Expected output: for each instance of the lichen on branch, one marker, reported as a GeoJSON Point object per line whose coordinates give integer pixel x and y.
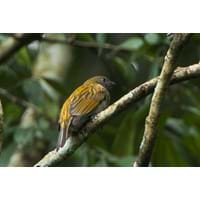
{"type": "Point", "coordinates": [53, 158]}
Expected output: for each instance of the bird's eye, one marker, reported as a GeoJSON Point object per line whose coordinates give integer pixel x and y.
{"type": "Point", "coordinates": [104, 80]}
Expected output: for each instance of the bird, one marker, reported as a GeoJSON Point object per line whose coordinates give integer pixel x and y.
{"type": "Point", "coordinates": [87, 100]}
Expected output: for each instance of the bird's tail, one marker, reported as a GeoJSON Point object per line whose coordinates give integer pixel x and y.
{"type": "Point", "coordinates": [63, 134]}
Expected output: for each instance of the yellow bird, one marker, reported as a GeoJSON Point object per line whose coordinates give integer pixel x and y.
{"type": "Point", "coordinates": [87, 100]}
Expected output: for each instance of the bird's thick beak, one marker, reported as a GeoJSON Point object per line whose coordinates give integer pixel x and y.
{"type": "Point", "coordinates": [112, 84]}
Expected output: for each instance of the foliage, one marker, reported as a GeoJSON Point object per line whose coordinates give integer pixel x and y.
{"type": "Point", "coordinates": [44, 74]}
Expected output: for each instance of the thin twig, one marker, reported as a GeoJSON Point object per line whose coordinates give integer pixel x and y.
{"type": "Point", "coordinates": [168, 68]}
{"type": "Point", "coordinates": [16, 99]}
{"type": "Point", "coordinates": [25, 104]}
{"type": "Point", "coordinates": [53, 158]}
{"type": "Point", "coordinates": [85, 44]}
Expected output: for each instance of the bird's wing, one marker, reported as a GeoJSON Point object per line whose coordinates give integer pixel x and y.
{"type": "Point", "coordinates": [86, 99]}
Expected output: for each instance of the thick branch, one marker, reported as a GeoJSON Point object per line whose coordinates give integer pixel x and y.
{"type": "Point", "coordinates": [1, 126]}
{"type": "Point", "coordinates": [168, 68]}
{"type": "Point", "coordinates": [16, 43]}
{"type": "Point", "coordinates": [53, 158]}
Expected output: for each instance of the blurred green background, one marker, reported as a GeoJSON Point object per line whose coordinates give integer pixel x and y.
{"type": "Point", "coordinates": [35, 81]}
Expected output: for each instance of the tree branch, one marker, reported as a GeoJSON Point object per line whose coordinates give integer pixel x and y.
{"type": "Point", "coordinates": [16, 43]}
{"type": "Point", "coordinates": [25, 104]}
{"type": "Point", "coordinates": [53, 158]}
{"type": "Point", "coordinates": [1, 126]}
{"type": "Point", "coordinates": [85, 44]}
{"type": "Point", "coordinates": [168, 68]}
{"type": "Point", "coordinates": [17, 100]}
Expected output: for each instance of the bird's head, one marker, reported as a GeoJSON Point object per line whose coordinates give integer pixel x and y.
{"type": "Point", "coordinates": [102, 80]}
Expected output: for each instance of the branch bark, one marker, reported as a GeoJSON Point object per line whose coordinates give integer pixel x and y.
{"type": "Point", "coordinates": [16, 43]}
{"type": "Point", "coordinates": [53, 158]}
{"type": "Point", "coordinates": [152, 119]}
{"type": "Point", "coordinates": [1, 126]}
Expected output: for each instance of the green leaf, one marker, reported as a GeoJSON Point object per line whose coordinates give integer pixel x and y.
{"type": "Point", "coordinates": [152, 38]}
{"type": "Point", "coordinates": [8, 77]}
{"type": "Point", "coordinates": [132, 44]}
{"type": "Point", "coordinates": [12, 112]}
{"type": "Point", "coordinates": [23, 57]}
{"type": "Point", "coordinates": [49, 90]}
{"type": "Point", "coordinates": [177, 125]}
